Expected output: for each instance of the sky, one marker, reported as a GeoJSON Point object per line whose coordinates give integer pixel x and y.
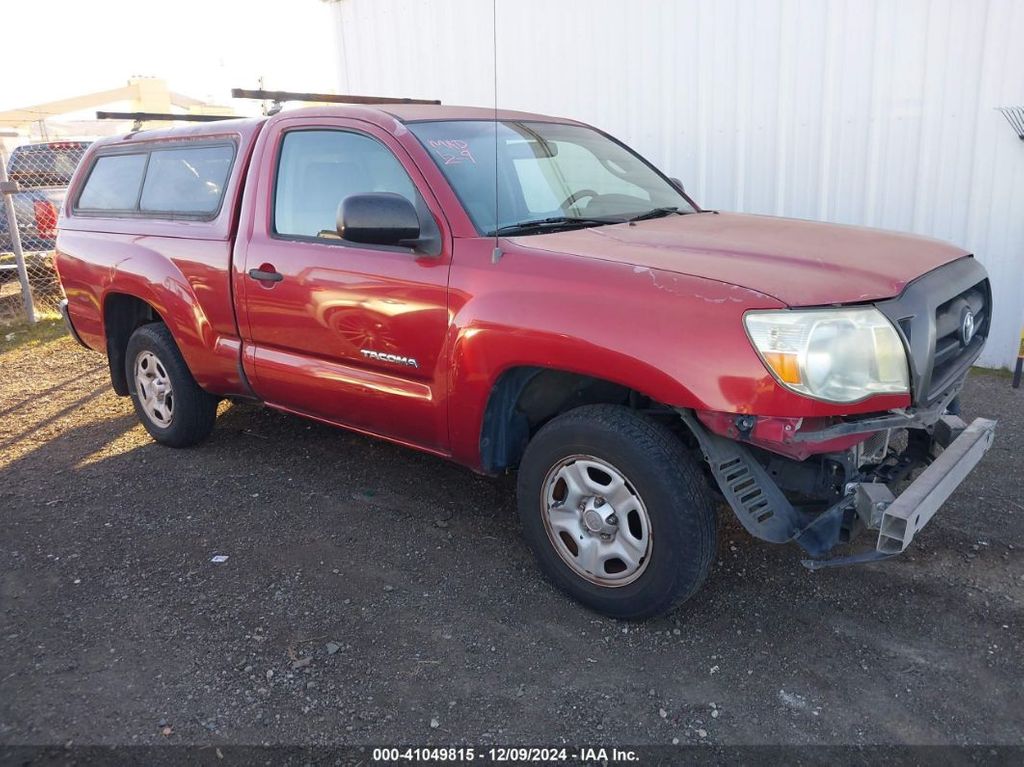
{"type": "Point", "coordinates": [202, 48]}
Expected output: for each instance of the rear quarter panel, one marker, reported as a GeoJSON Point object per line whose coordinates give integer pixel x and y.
{"type": "Point", "coordinates": [184, 280]}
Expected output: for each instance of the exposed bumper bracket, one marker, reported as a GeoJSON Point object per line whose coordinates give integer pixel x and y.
{"type": "Point", "coordinates": [871, 500]}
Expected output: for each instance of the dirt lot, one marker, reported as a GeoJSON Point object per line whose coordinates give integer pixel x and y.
{"type": "Point", "coordinates": [376, 595]}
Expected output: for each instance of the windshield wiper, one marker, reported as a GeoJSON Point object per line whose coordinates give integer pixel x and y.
{"type": "Point", "coordinates": [554, 222]}
{"type": "Point", "coordinates": [656, 213]}
{"type": "Point", "coordinates": [560, 222]}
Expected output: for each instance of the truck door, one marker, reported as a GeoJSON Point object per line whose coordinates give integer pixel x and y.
{"type": "Point", "coordinates": [350, 333]}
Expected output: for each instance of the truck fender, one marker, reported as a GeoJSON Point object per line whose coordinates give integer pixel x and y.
{"type": "Point", "coordinates": [491, 366]}
{"type": "Point", "coordinates": [156, 280]}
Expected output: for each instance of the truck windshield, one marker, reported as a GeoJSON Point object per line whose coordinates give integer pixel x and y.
{"type": "Point", "coordinates": [532, 177]}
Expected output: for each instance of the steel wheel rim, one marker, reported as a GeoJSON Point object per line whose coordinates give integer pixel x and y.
{"type": "Point", "coordinates": [596, 521]}
{"type": "Point", "coordinates": [153, 389]}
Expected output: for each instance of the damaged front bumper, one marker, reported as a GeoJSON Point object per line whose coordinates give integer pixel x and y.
{"type": "Point", "coordinates": [865, 503]}
{"type": "Point", "coordinates": [898, 519]}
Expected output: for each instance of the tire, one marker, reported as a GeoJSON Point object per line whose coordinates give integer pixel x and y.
{"type": "Point", "coordinates": [186, 414]}
{"type": "Point", "coordinates": [664, 503]}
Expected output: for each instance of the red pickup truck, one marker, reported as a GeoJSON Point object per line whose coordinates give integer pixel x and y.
{"type": "Point", "coordinates": [515, 291]}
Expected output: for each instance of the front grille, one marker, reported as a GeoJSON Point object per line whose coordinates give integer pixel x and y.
{"type": "Point", "coordinates": [930, 314]}
{"type": "Point", "coordinates": [950, 351]}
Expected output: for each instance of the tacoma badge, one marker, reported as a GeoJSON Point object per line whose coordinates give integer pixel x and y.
{"type": "Point", "coordinates": [395, 358]}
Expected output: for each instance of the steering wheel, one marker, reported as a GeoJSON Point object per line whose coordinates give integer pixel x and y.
{"type": "Point", "coordinates": [577, 196]}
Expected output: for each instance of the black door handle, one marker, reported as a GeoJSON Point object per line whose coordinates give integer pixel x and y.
{"type": "Point", "coordinates": [262, 276]}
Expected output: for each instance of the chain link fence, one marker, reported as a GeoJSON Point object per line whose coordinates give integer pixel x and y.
{"type": "Point", "coordinates": [33, 182]}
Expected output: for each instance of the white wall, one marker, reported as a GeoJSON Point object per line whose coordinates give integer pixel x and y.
{"type": "Point", "coordinates": [873, 112]}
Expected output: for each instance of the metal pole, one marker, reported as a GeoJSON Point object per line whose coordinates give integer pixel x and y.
{"type": "Point", "coordinates": [6, 190]}
{"type": "Point", "coordinates": [1019, 369]}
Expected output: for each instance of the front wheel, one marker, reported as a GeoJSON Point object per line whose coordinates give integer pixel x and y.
{"type": "Point", "coordinates": [616, 511]}
{"type": "Point", "coordinates": [171, 405]}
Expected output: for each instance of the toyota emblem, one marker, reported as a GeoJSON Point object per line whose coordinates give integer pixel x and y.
{"type": "Point", "coordinates": [966, 326]}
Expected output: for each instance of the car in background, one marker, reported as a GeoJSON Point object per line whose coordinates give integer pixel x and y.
{"type": "Point", "coordinates": [42, 172]}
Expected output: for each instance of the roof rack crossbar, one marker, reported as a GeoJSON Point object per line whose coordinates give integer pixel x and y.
{"type": "Point", "coordinates": [147, 116]}
{"type": "Point", "coordinates": [328, 98]}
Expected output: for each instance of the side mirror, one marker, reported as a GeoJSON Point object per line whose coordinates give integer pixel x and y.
{"type": "Point", "coordinates": [677, 184]}
{"type": "Point", "coordinates": [378, 218]}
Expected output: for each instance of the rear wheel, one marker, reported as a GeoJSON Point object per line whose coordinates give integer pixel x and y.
{"type": "Point", "coordinates": [171, 405]}
{"type": "Point", "coordinates": [616, 511]}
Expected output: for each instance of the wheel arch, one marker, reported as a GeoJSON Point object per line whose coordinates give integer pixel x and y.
{"type": "Point", "coordinates": [525, 397]}
{"type": "Point", "coordinates": [153, 290]}
{"type": "Point", "coordinates": [123, 313]}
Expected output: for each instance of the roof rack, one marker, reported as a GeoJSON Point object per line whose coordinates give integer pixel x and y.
{"type": "Point", "coordinates": [327, 98]}
{"type": "Point", "coordinates": [147, 116]}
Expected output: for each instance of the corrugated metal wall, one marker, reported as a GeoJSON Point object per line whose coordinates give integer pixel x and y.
{"type": "Point", "coordinates": [872, 112]}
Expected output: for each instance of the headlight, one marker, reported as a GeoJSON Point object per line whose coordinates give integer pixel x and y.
{"type": "Point", "coordinates": [838, 355]}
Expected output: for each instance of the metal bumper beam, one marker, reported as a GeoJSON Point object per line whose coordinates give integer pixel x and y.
{"type": "Point", "coordinates": [916, 505]}
{"type": "Point", "coordinates": [898, 519]}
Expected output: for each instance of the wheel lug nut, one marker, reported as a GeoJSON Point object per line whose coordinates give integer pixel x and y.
{"type": "Point", "coordinates": [599, 502]}
{"type": "Point", "coordinates": [613, 520]}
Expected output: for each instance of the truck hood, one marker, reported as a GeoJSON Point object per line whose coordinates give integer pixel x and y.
{"type": "Point", "coordinates": [801, 263]}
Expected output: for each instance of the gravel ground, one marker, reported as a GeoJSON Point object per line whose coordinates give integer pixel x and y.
{"type": "Point", "coordinates": [376, 595]}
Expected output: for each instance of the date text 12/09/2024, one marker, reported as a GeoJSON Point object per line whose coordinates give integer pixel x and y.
{"type": "Point", "coordinates": [514, 755]}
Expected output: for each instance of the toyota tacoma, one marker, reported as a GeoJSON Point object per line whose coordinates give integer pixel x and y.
{"type": "Point", "coordinates": [519, 292]}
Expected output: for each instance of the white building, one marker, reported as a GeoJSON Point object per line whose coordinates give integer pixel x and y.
{"type": "Point", "coordinates": [873, 112]}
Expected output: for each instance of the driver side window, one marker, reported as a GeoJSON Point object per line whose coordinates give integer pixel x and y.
{"type": "Point", "coordinates": [320, 168]}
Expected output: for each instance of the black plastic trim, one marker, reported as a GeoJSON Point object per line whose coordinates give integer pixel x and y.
{"type": "Point", "coordinates": [63, 307]}
{"type": "Point", "coordinates": [265, 276]}
{"type": "Point", "coordinates": [913, 315]}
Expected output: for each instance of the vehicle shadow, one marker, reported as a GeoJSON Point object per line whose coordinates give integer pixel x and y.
{"type": "Point", "coordinates": [75, 405]}
{"type": "Point", "coordinates": [268, 467]}
{"type": "Point", "coordinates": [47, 470]}
{"type": "Point", "coordinates": [20, 403]}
